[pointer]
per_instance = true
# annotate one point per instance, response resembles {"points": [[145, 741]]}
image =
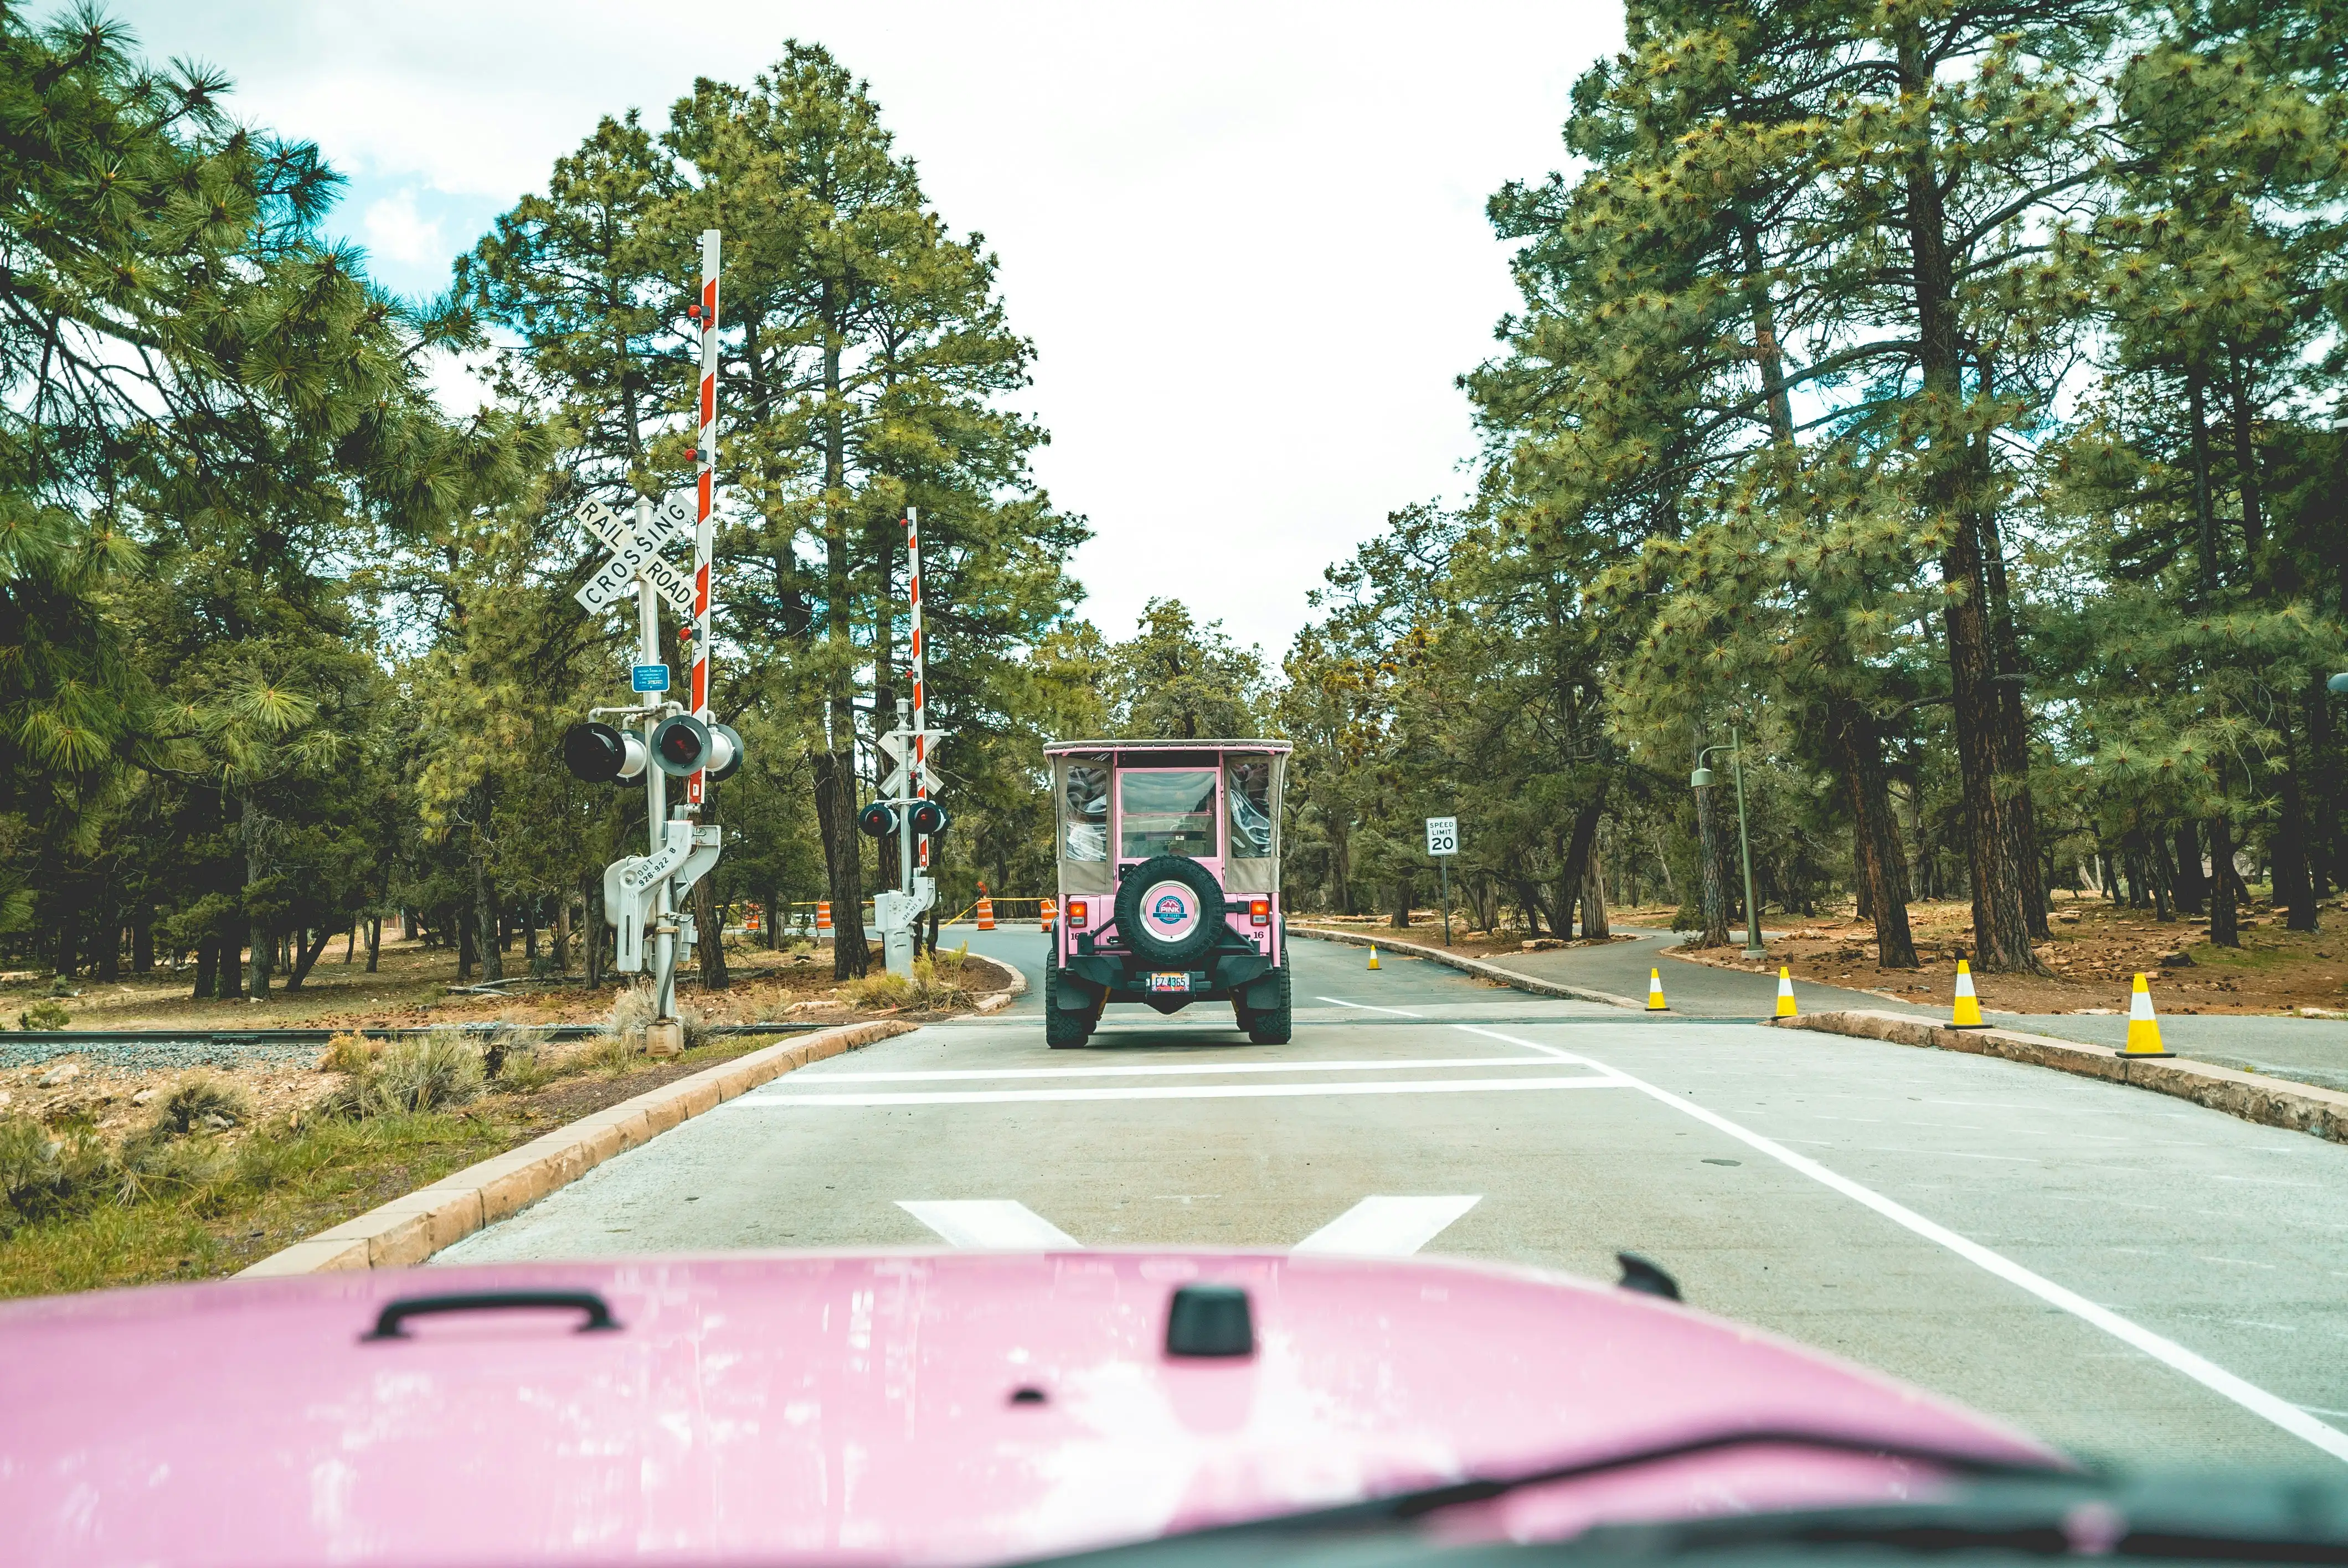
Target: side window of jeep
{"points": [[1084, 813]]}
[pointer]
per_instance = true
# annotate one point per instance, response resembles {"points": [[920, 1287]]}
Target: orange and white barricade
{"points": [[985, 913], [823, 915], [1047, 912]]}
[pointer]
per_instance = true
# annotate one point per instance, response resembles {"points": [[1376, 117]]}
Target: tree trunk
{"points": [[262, 940], [1715, 891], [1595, 926], [593, 937], [770, 901], [2324, 791], [1955, 493], [485, 918], [306, 955], [142, 941], [1399, 919], [375, 942], [2192, 887], [561, 933], [2246, 475], [466, 923], [207, 967], [2294, 888], [834, 813], [1574, 877], [530, 934], [709, 929], [2222, 882], [1883, 879], [2205, 501]]}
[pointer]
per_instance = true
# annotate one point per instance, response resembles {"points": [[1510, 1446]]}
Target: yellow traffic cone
{"points": [[1374, 955], [2144, 1029], [1968, 1010], [1785, 993], [1655, 1002]]}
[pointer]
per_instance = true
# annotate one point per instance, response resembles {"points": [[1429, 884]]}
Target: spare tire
{"points": [[1169, 910]]}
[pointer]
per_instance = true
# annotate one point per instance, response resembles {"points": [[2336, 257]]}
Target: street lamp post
{"points": [[1699, 780]]}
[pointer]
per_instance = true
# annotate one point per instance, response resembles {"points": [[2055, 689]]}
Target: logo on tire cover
{"points": [[1169, 909]]}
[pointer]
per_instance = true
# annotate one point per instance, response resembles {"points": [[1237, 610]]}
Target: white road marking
{"points": [[1186, 1092], [1365, 1007], [997, 1225], [2280, 1412], [1170, 1069], [1388, 1227]]}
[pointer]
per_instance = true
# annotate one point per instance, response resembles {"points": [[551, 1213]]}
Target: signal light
{"points": [[726, 760], [1258, 911], [876, 819], [681, 746], [929, 818], [599, 754], [1079, 912]]}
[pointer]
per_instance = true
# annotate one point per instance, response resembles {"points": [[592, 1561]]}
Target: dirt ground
{"points": [[2098, 949], [410, 990]]}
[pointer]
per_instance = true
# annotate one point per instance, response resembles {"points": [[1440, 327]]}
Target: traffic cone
{"points": [[2144, 1029], [1968, 1009], [823, 915], [1785, 993], [985, 913], [1374, 955], [1048, 913], [1655, 1002]]}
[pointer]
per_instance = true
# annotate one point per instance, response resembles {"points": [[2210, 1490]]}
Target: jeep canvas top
{"points": [[1169, 855]]}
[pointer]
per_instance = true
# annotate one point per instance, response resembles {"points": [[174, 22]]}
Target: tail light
{"points": [[1079, 914], [1258, 911]]}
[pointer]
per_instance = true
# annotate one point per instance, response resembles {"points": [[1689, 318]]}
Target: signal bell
{"points": [[599, 754]]}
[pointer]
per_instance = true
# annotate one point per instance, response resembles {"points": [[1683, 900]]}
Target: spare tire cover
{"points": [[1169, 909]]}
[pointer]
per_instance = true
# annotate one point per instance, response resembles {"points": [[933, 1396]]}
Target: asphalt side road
{"points": [[2134, 1277]]}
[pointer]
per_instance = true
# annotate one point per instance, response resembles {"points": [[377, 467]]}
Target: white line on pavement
{"points": [[999, 1224], [1365, 1007], [1169, 1069], [2168, 1352], [1184, 1091], [1386, 1227]]}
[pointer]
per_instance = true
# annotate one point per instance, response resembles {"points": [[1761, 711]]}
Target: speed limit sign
{"points": [[1443, 835]]}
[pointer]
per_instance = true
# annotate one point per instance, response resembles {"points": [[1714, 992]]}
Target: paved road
{"points": [[1796, 1182]]}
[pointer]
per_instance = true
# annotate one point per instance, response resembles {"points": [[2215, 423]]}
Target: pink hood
{"points": [[839, 1408]]}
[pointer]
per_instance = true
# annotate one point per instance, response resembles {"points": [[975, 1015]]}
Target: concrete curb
{"points": [[407, 1230], [995, 1001], [1516, 978], [2253, 1097]]}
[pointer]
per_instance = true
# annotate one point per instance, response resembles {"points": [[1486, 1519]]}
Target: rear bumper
{"points": [[1089, 979]]}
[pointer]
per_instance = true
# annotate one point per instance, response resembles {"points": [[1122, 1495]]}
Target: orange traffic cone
{"points": [[985, 913], [1966, 1014], [823, 915], [2144, 1029]]}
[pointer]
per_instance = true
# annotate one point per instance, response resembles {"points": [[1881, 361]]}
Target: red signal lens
{"points": [[1077, 913], [1258, 911]]}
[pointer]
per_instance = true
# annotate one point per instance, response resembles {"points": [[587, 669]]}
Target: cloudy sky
{"points": [[1247, 240]]}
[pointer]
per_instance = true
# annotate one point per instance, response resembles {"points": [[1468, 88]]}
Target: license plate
{"points": [[1169, 982]]}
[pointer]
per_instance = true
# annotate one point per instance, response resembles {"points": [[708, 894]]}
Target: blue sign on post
{"points": [[652, 677]]}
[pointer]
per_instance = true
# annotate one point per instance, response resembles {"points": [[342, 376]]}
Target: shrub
{"points": [[43, 1176], [429, 1074], [515, 1057], [347, 1052], [45, 1015], [930, 987], [200, 1103], [412, 1076], [632, 1012]]}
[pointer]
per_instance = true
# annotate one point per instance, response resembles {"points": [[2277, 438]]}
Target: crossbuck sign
{"points": [[635, 552]]}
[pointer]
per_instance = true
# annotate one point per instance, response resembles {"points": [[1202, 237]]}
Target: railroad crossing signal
{"points": [[899, 785]]}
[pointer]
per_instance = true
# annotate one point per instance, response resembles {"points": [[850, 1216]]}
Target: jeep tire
{"points": [[1180, 952], [1065, 1028], [1269, 1026]]}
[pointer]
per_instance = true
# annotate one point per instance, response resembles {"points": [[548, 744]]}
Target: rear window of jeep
{"points": [[1167, 812]]}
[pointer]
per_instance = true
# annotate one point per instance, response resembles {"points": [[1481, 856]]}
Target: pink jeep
{"points": [[1169, 883]]}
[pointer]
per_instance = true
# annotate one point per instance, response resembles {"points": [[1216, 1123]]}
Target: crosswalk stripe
{"points": [[768, 1101], [995, 1224], [1388, 1227]]}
